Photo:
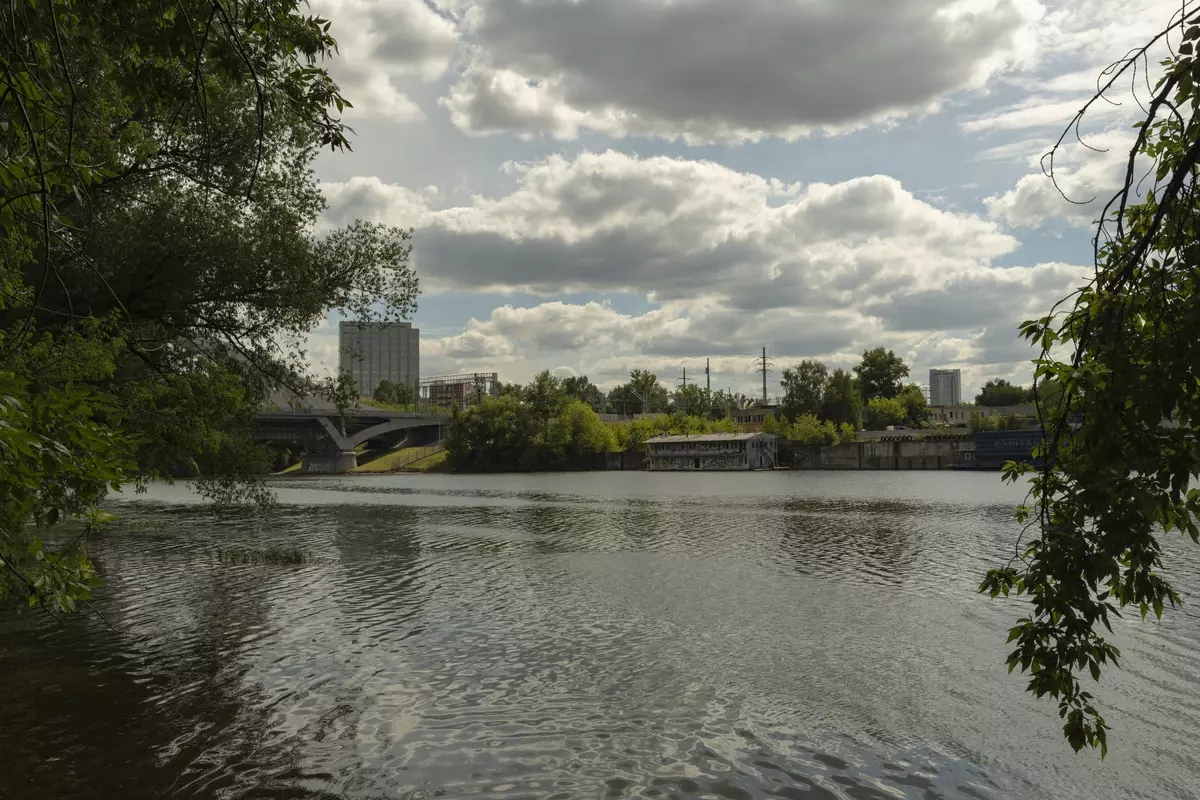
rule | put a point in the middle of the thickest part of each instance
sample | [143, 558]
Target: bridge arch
[390, 426]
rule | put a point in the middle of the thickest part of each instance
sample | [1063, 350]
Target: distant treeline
[542, 427]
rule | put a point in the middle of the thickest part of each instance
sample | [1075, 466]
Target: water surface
[595, 635]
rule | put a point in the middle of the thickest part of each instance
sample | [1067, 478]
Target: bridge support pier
[332, 462]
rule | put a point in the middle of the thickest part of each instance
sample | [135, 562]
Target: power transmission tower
[764, 366]
[683, 392]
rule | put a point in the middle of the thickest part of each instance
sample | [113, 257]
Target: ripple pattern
[604, 635]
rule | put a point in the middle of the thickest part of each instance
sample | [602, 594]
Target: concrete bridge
[329, 438]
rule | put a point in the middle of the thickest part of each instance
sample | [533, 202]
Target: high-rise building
[945, 387]
[375, 352]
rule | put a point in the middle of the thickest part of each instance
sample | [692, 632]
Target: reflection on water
[804, 635]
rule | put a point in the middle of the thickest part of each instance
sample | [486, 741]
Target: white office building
[945, 387]
[372, 353]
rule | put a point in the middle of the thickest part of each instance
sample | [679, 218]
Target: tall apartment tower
[945, 387]
[376, 352]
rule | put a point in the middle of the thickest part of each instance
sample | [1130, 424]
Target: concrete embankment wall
[901, 454]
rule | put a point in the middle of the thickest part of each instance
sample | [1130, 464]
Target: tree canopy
[692, 400]
[880, 373]
[1000, 392]
[842, 402]
[803, 388]
[916, 407]
[158, 262]
[1116, 470]
[642, 394]
[579, 387]
[395, 394]
[885, 411]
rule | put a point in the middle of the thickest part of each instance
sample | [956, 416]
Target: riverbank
[986, 450]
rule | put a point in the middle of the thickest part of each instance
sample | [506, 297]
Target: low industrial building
[961, 415]
[712, 451]
[752, 419]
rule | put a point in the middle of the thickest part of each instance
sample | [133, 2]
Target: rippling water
[603, 635]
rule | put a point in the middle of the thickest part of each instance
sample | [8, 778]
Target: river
[592, 635]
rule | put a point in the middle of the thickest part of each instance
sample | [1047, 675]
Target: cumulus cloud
[1087, 177]
[710, 70]
[383, 43]
[731, 260]
[1075, 41]
[596, 340]
[678, 229]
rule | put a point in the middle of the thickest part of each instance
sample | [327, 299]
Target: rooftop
[705, 437]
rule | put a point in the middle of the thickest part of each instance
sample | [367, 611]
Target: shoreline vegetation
[551, 424]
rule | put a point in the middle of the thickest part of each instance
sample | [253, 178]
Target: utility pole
[708, 375]
[764, 366]
[683, 393]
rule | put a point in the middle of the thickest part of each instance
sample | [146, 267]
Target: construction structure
[458, 391]
[712, 451]
[945, 387]
[374, 352]
[753, 418]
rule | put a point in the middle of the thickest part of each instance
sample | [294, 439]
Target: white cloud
[1087, 178]
[732, 260]
[1076, 40]
[1040, 112]
[594, 339]
[680, 229]
[382, 44]
[710, 70]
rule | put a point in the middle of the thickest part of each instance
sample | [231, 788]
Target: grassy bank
[402, 459]
[383, 462]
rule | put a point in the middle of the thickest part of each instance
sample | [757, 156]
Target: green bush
[503, 433]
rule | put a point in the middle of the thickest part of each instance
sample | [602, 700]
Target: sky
[603, 185]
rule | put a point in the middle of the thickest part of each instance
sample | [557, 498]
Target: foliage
[632, 435]
[57, 462]
[1000, 392]
[879, 373]
[157, 250]
[916, 408]
[809, 429]
[580, 388]
[514, 390]
[1120, 454]
[842, 402]
[642, 394]
[395, 394]
[693, 400]
[497, 433]
[502, 433]
[804, 388]
[577, 432]
[545, 395]
[724, 402]
[885, 411]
